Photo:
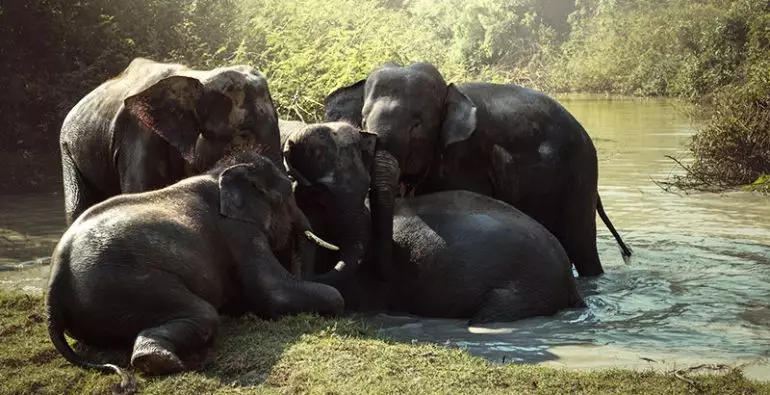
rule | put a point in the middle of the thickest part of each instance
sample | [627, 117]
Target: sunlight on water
[697, 287]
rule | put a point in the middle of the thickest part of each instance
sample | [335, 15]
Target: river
[697, 289]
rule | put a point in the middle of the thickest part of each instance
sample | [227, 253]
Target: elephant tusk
[320, 242]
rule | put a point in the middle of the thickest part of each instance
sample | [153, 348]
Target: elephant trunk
[382, 198]
[353, 239]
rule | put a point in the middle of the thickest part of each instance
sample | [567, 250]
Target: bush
[55, 51]
[734, 148]
[309, 48]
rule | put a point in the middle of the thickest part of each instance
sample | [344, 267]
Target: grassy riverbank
[306, 354]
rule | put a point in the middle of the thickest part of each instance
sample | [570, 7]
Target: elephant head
[205, 115]
[255, 191]
[415, 114]
[331, 163]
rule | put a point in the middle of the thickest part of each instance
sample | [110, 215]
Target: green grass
[307, 354]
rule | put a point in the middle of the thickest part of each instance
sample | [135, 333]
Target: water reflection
[697, 287]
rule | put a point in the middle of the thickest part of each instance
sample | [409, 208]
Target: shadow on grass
[242, 354]
[307, 354]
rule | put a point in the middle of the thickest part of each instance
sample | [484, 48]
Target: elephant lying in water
[157, 123]
[456, 254]
[504, 141]
[331, 163]
[156, 268]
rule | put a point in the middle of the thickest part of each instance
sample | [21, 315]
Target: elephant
[156, 268]
[459, 254]
[331, 163]
[508, 142]
[456, 254]
[157, 123]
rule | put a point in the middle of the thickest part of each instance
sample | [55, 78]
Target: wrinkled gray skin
[504, 141]
[456, 254]
[156, 268]
[331, 164]
[157, 123]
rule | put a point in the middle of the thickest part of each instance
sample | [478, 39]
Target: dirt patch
[44, 356]
[9, 330]
[12, 362]
[34, 318]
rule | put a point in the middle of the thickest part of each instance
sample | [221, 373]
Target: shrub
[734, 147]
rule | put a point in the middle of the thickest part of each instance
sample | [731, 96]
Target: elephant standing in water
[157, 123]
[504, 141]
[457, 254]
[156, 268]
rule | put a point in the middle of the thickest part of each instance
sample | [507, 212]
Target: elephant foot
[151, 357]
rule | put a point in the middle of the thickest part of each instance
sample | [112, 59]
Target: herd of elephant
[187, 198]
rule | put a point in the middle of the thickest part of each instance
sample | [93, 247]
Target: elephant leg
[577, 234]
[270, 291]
[79, 195]
[117, 304]
[513, 303]
[194, 324]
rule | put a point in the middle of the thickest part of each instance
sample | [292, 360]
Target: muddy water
[697, 289]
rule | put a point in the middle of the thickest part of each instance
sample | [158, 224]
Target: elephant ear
[311, 154]
[214, 109]
[346, 104]
[368, 144]
[459, 117]
[170, 109]
[247, 191]
[294, 173]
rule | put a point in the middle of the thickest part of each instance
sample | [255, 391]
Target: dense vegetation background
[715, 53]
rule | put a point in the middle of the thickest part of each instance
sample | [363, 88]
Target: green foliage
[55, 51]
[654, 47]
[309, 48]
[309, 354]
[733, 149]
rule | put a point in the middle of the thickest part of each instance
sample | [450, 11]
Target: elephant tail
[57, 326]
[625, 250]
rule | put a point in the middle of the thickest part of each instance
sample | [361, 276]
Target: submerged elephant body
[456, 254]
[502, 141]
[156, 123]
[156, 268]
